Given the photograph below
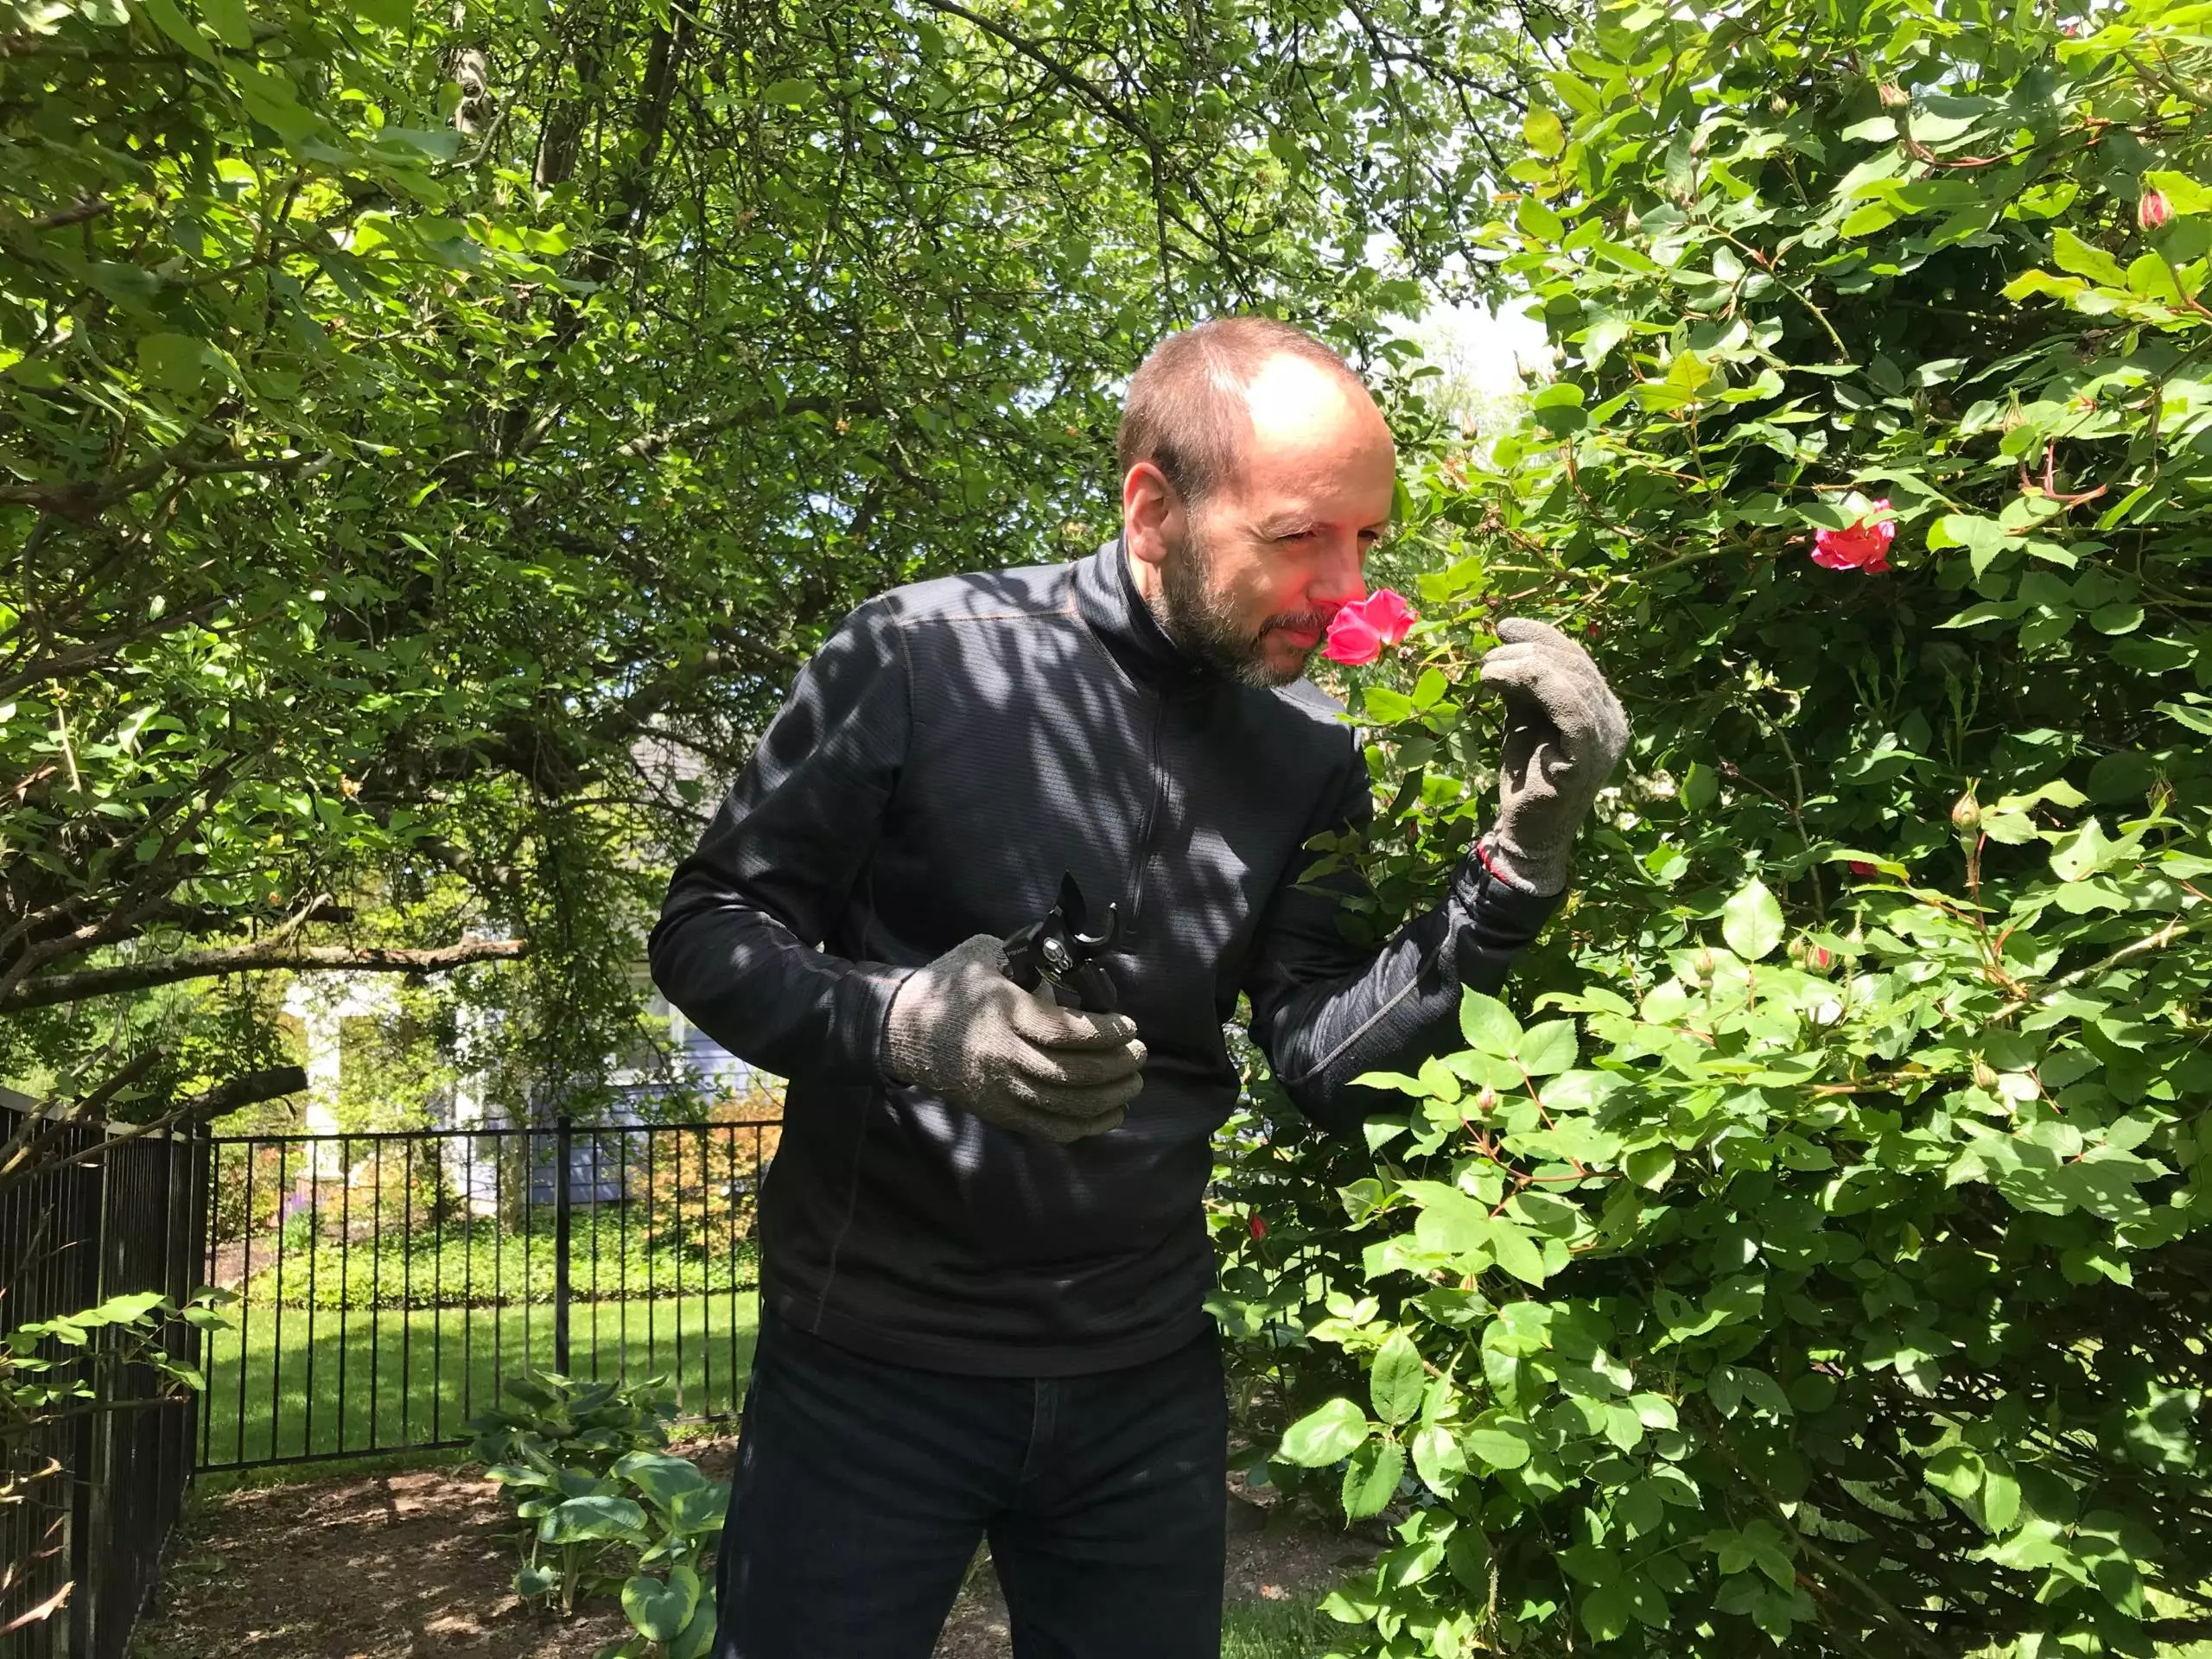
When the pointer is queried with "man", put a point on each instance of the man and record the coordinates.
(984, 1251)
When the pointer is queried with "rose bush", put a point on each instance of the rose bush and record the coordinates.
(1814, 1256)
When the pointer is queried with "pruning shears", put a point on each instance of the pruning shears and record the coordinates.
(1057, 950)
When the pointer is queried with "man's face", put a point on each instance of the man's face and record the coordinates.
(1250, 580)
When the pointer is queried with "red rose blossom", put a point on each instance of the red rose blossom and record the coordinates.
(1359, 632)
(1259, 1228)
(1862, 869)
(2152, 210)
(1865, 546)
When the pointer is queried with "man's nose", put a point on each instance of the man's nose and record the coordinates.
(1342, 578)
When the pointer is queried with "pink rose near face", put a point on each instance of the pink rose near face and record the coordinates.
(1865, 546)
(1361, 630)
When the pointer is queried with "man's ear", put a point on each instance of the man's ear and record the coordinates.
(1152, 513)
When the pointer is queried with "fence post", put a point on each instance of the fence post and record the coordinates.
(562, 1180)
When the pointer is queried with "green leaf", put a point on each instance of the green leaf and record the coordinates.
(1548, 1049)
(659, 1476)
(176, 362)
(1384, 705)
(1609, 1611)
(660, 1610)
(1498, 1440)
(1398, 1380)
(1468, 1558)
(580, 1519)
(1517, 1253)
(1371, 1478)
(165, 16)
(2075, 255)
(1752, 921)
(1438, 1459)
(1489, 1026)
(231, 21)
(1319, 1438)
(698, 1636)
(1544, 131)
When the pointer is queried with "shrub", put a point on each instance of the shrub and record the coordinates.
(1818, 1260)
(480, 1263)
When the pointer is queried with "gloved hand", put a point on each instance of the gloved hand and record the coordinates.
(1565, 732)
(970, 1035)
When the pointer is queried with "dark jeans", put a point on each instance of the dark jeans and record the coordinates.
(863, 1489)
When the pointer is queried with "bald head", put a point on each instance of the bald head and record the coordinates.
(1192, 402)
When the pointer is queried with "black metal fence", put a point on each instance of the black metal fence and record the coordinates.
(94, 1488)
(389, 1282)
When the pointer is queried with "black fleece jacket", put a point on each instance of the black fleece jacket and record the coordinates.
(954, 747)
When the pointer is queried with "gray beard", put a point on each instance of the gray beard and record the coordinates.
(1198, 618)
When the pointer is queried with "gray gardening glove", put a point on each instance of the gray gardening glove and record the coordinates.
(970, 1035)
(1565, 733)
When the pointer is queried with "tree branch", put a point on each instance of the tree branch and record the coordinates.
(255, 958)
(273, 1083)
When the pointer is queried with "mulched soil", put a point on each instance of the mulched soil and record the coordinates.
(399, 1564)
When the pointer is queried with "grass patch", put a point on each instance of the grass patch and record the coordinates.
(1274, 1630)
(358, 1381)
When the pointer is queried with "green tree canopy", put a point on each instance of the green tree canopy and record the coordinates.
(433, 437)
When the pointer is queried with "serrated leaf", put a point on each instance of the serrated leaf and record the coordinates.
(2072, 254)
(1488, 1025)
(1752, 921)
(1548, 1049)
(1517, 1253)
(1397, 1381)
(1438, 1459)
(1319, 1438)
(1371, 1478)
(1497, 1440)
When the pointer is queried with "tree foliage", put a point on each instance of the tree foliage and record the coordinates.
(434, 436)
(1815, 1261)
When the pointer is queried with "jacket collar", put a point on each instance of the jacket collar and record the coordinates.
(1106, 597)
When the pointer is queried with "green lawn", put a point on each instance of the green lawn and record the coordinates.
(405, 1379)
(1274, 1630)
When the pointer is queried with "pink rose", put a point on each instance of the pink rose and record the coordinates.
(1359, 632)
(1865, 546)
(2152, 210)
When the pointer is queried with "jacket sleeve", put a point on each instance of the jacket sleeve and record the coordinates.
(737, 945)
(1324, 1010)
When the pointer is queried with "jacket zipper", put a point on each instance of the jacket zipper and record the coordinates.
(1152, 814)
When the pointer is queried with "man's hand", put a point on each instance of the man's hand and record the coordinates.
(969, 1034)
(1565, 732)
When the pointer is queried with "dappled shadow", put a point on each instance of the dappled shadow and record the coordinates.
(388, 1566)
(942, 761)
